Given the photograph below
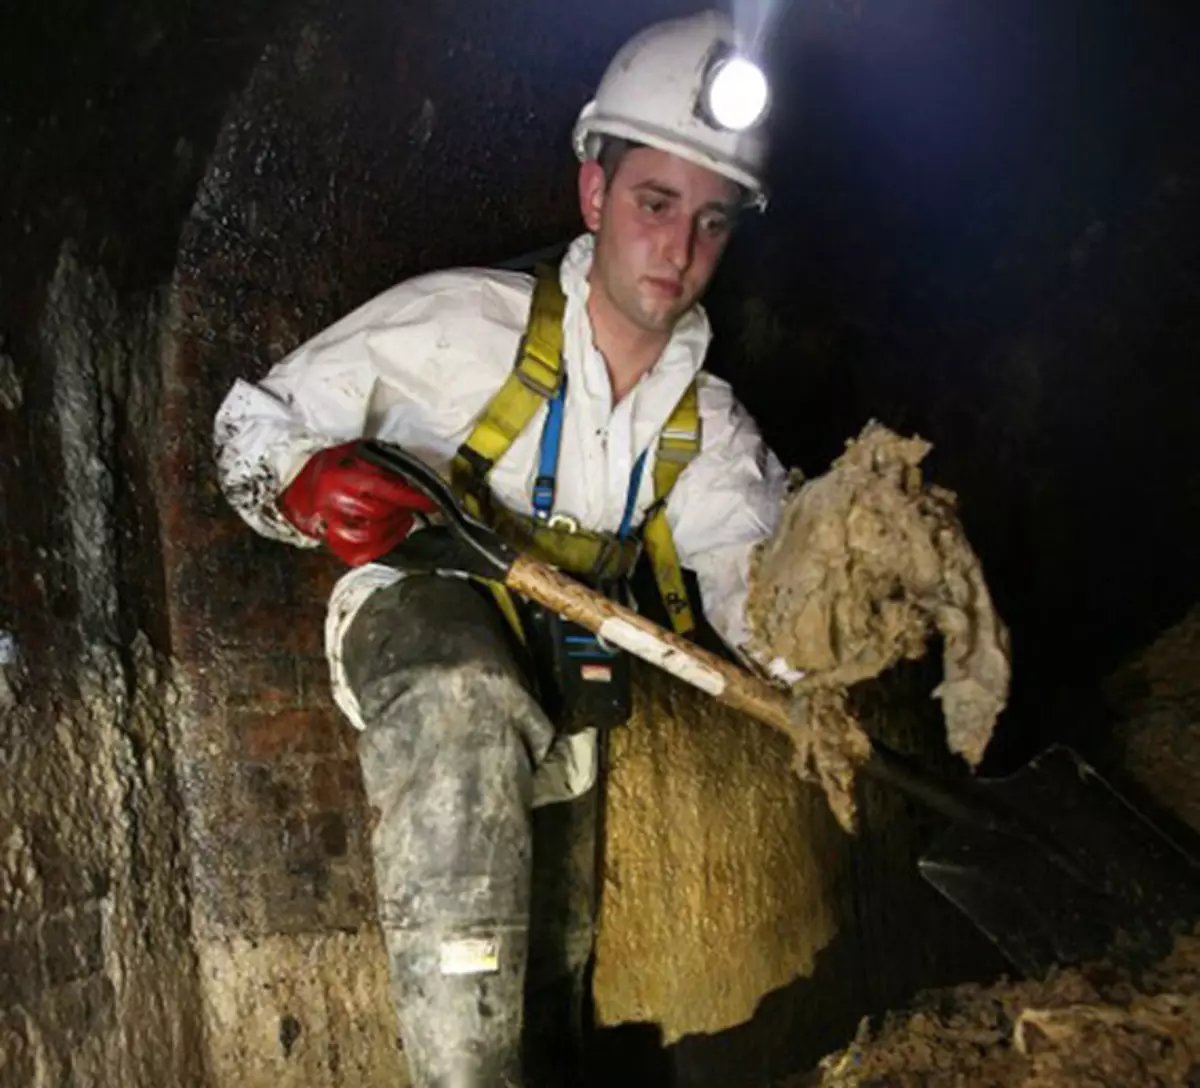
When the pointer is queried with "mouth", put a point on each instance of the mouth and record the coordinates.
(662, 286)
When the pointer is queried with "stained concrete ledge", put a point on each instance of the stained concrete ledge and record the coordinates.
(742, 934)
(725, 876)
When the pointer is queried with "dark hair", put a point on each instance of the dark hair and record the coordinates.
(613, 150)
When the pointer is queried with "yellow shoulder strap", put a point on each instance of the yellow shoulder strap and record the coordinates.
(679, 442)
(677, 446)
(533, 381)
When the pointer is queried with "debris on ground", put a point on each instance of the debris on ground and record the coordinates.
(1097, 1024)
(868, 564)
(1093, 1025)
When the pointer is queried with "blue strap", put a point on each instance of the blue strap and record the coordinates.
(635, 483)
(545, 482)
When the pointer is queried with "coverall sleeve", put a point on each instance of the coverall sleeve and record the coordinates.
(726, 501)
(411, 365)
(265, 432)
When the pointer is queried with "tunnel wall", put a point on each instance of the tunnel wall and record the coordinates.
(191, 192)
(97, 979)
(103, 118)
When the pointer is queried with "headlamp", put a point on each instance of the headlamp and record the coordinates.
(735, 93)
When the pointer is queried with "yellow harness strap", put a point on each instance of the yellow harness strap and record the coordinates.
(677, 446)
(535, 380)
(532, 382)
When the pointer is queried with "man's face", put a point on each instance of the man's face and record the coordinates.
(661, 226)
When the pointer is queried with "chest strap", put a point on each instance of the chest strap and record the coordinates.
(536, 379)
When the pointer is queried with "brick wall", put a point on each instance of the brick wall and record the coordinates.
(322, 190)
(318, 195)
(268, 766)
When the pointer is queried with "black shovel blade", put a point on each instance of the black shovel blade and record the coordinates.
(1104, 881)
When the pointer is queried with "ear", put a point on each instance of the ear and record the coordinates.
(592, 187)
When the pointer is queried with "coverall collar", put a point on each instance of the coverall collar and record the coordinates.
(680, 361)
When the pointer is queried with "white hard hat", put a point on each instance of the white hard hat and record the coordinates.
(683, 86)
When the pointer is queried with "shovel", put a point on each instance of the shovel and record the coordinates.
(1052, 863)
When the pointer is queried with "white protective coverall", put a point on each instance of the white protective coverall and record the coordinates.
(417, 364)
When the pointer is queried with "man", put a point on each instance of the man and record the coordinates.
(575, 417)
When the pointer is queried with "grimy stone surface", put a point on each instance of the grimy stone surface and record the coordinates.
(1155, 697)
(97, 972)
(300, 1010)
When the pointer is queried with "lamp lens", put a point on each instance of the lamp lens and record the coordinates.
(737, 94)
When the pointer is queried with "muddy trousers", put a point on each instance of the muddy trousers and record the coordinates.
(486, 904)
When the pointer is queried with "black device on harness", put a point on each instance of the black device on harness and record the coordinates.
(583, 682)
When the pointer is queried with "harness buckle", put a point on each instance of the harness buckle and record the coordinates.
(564, 523)
(669, 452)
(543, 497)
(475, 464)
(536, 382)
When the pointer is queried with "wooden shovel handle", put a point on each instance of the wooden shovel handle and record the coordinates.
(618, 626)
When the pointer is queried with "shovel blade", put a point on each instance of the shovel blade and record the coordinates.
(1107, 882)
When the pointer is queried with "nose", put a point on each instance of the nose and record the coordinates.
(680, 244)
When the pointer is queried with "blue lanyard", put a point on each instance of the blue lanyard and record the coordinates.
(544, 482)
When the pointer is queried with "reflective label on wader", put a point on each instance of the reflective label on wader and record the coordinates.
(471, 956)
(649, 648)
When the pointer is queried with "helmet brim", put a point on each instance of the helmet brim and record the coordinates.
(592, 125)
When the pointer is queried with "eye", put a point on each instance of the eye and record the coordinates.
(714, 224)
(653, 205)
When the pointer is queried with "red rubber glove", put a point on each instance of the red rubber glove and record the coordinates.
(360, 510)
